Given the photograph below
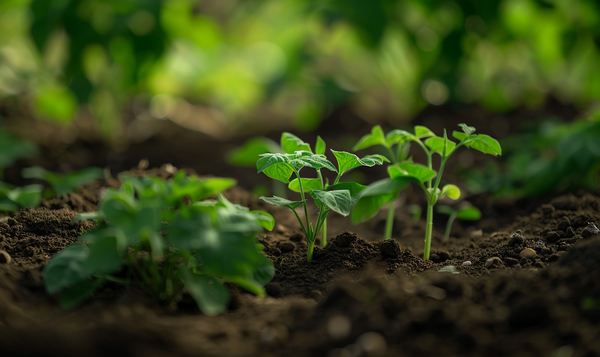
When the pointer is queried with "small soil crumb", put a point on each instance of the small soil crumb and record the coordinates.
(297, 237)
(345, 239)
(528, 253)
(286, 247)
(570, 232)
(564, 224)
(516, 239)
(466, 263)
(494, 263)
(552, 237)
(390, 249)
(4, 257)
(548, 209)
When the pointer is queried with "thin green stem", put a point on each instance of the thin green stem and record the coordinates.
(308, 231)
(428, 229)
(392, 156)
(311, 247)
(389, 223)
(449, 224)
(324, 233)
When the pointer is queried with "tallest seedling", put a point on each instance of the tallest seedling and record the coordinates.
(401, 174)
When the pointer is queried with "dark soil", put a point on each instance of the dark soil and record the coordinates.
(523, 281)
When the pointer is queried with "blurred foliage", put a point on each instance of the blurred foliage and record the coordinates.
(551, 157)
(251, 59)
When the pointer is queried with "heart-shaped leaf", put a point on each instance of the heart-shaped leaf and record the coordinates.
(422, 132)
(276, 166)
(265, 219)
(375, 138)
(290, 143)
(416, 171)
(486, 144)
(307, 184)
(436, 144)
(347, 161)
(339, 201)
(372, 198)
(451, 191)
(460, 136)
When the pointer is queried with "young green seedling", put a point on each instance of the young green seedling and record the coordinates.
(381, 192)
(467, 213)
(158, 235)
(63, 183)
(395, 156)
(13, 149)
(338, 197)
(14, 198)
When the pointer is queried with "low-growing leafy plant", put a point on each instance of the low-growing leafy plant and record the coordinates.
(395, 156)
(14, 198)
(159, 235)
(465, 213)
(401, 174)
(63, 183)
(339, 197)
(13, 149)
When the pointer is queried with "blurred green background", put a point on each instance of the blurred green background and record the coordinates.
(236, 63)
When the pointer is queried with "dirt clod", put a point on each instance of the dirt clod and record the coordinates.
(552, 237)
(296, 237)
(345, 239)
(286, 247)
(494, 263)
(564, 223)
(4, 257)
(389, 248)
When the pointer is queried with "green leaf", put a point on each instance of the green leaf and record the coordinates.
(265, 219)
(422, 132)
(280, 201)
(211, 296)
(320, 147)
(372, 198)
(26, 196)
(65, 268)
(447, 210)
(103, 258)
(290, 143)
(13, 149)
(339, 201)
(399, 136)
(436, 144)
(87, 216)
(307, 184)
(417, 171)
(316, 162)
(62, 184)
(79, 292)
(486, 144)
(469, 130)
(375, 138)
(460, 136)
(248, 153)
(452, 191)
(470, 213)
(275, 166)
(354, 188)
(347, 161)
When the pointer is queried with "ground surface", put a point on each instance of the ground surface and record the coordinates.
(359, 297)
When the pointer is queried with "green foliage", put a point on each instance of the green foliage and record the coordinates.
(14, 198)
(379, 193)
(554, 157)
(339, 197)
(247, 154)
(13, 148)
(62, 184)
(465, 213)
(166, 237)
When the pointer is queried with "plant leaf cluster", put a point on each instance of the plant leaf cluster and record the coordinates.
(404, 172)
(166, 237)
(338, 197)
(63, 183)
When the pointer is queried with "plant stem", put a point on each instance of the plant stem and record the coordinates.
(389, 223)
(324, 234)
(428, 229)
(311, 247)
(449, 224)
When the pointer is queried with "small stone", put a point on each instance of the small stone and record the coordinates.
(466, 263)
(389, 248)
(494, 262)
(4, 257)
(338, 326)
(527, 253)
(552, 237)
(590, 230)
(538, 246)
(373, 343)
(570, 232)
(286, 247)
(477, 233)
(548, 209)
(296, 237)
(516, 238)
(564, 223)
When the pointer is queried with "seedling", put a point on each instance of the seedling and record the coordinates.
(468, 213)
(13, 149)
(14, 198)
(62, 184)
(159, 235)
(381, 192)
(395, 156)
(338, 197)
